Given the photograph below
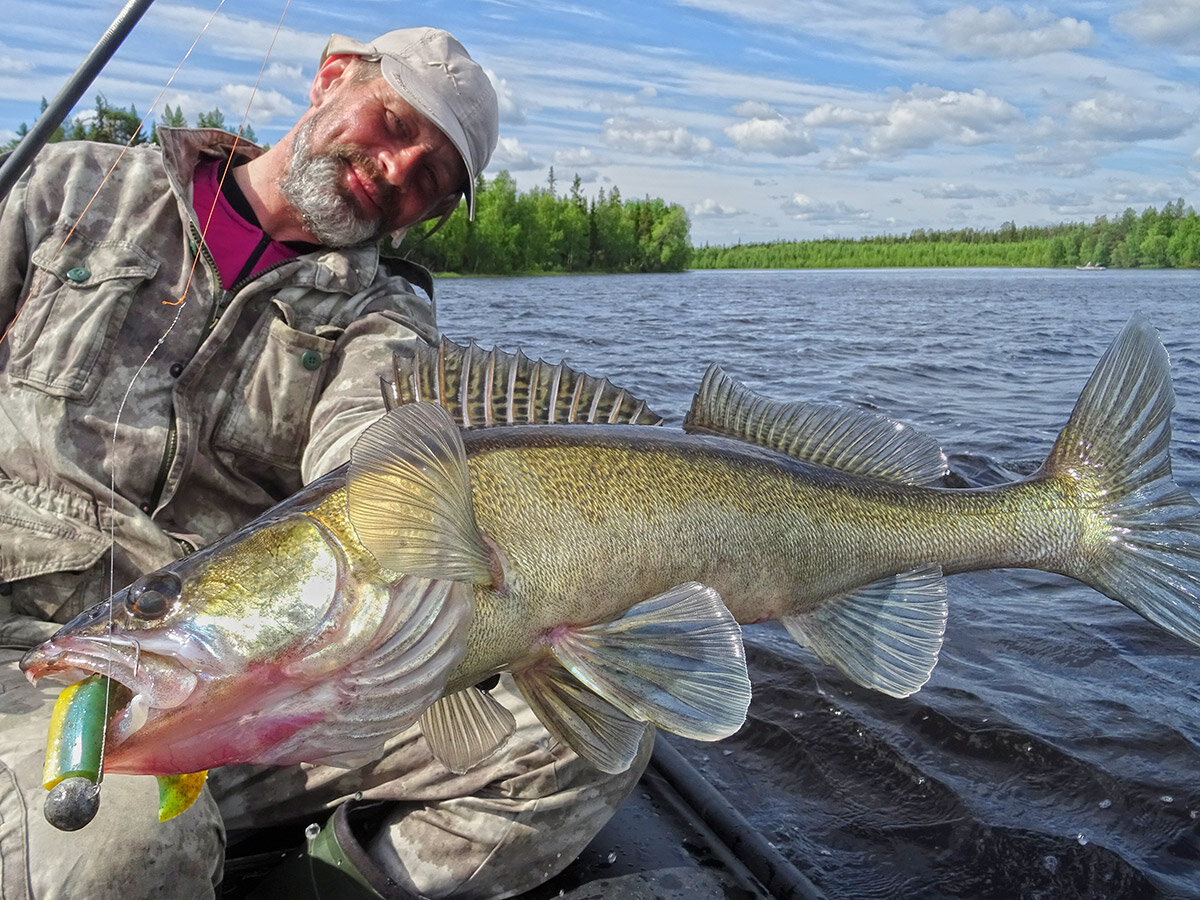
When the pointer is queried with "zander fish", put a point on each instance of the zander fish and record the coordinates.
(596, 564)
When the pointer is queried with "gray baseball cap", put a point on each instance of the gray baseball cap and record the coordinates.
(434, 73)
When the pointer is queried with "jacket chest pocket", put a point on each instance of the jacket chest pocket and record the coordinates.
(67, 327)
(270, 399)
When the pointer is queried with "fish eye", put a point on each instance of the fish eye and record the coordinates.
(152, 595)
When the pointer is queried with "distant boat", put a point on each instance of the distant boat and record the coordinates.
(1091, 267)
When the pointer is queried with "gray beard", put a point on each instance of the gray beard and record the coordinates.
(311, 185)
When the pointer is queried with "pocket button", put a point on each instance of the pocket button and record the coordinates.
(79, 274)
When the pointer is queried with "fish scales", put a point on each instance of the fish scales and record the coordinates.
(635, 512)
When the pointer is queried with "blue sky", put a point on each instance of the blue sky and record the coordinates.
(764, 119)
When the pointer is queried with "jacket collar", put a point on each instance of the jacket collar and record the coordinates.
(347, 270)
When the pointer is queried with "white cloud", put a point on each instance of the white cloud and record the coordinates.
(578, 156)
(1069, 159)
(11, 64)
(654, 136)
(930, 115)
(827, 115)
(263, 105)
(805, 208)
(511, 112)
(969, 31)
(1113, 116)
(512, 156)
(950, 191)
(768, 132)
(1063, 201)
(755, 109)
(1163, 22)
(291, 75)
(710, 208)
(240, 37)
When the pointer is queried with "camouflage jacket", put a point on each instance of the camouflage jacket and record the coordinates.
(164, 425)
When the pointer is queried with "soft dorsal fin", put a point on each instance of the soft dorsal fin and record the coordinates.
(494, 387)
(837, 437)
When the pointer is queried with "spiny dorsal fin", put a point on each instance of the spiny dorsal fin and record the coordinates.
(494, 387)
(837, 437)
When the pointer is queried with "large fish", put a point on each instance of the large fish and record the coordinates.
(600, 565)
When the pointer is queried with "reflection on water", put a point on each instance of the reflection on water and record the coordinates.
(1055, 752)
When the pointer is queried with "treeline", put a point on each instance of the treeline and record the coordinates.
(540, 231)
(1166, 238)
(113, 125)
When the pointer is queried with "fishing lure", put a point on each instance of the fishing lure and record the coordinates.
(74, 753)
(74, 762)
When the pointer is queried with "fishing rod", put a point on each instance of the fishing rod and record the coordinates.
(15, 164)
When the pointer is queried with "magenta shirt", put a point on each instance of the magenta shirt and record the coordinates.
(240, 248)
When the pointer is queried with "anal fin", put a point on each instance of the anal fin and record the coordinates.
(885, 636)
(591, 726)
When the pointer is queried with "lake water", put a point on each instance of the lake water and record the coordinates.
(1055, 753)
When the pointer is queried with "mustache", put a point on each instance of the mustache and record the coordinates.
(387, 195)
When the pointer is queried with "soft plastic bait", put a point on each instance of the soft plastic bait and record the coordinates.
(74, 750)
(74, 763)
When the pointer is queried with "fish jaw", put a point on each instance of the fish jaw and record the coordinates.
(207, 650)
(284, 643)
(178, 709)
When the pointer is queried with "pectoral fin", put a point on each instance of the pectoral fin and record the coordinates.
(675, 660)
(409, 496)
(176, 793)
(465, 728)
(886, 636)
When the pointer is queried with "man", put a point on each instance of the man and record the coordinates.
(189, 341)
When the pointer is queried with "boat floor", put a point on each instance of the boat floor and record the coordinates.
(655, 848)
(674, 838)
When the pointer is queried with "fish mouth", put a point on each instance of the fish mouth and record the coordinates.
(146, 683)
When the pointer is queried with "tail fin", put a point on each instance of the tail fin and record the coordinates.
(1146, 552)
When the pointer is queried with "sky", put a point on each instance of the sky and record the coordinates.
(764, 119)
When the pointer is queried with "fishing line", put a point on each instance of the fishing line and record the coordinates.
(233, 151)
(179, 307)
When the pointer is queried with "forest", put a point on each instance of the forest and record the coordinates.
(539, 231)
(1166, 238)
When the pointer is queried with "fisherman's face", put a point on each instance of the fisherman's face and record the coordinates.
(365, 163)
